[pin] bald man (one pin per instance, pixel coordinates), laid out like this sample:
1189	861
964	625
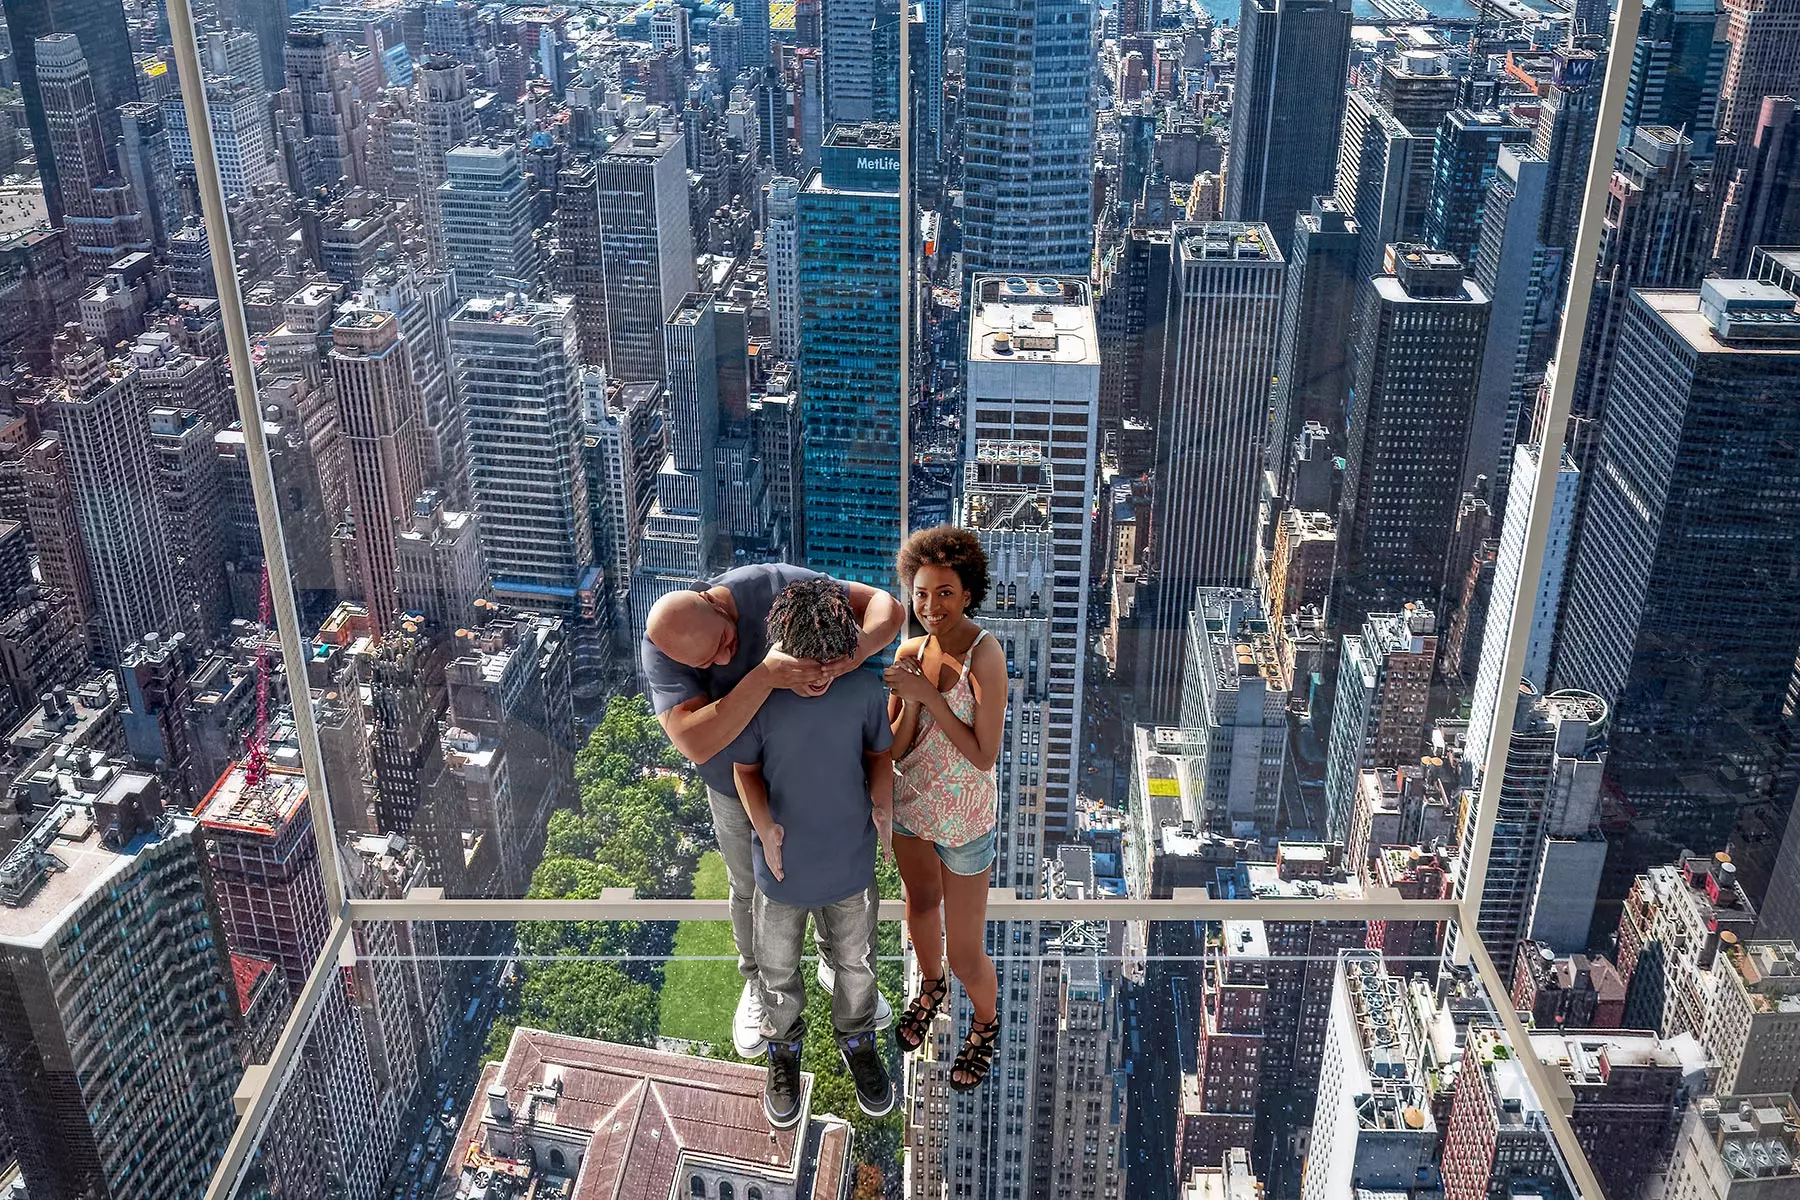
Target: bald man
708	667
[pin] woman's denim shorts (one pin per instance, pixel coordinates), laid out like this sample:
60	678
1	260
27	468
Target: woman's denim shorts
970	858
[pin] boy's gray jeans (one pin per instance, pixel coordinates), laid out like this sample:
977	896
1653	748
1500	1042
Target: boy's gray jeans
731	827
846	935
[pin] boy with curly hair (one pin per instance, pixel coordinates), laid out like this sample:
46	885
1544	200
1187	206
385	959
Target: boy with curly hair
818	786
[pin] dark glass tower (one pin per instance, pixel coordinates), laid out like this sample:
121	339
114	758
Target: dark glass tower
1652	239
1683	607
100	24
1676	66
1418	351
1293	57
1312	364
1462	166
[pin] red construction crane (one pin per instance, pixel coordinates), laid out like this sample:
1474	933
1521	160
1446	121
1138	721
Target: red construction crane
256	763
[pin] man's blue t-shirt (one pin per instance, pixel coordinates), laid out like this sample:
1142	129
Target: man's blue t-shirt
811	752
753	589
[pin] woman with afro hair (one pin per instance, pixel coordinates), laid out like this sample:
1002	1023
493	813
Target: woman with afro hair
948	708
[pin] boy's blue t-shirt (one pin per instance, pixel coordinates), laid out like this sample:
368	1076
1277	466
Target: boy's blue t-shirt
811	751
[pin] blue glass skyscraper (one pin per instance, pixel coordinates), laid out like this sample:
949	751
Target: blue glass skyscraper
1029	137
848	214
1676	68
1463	161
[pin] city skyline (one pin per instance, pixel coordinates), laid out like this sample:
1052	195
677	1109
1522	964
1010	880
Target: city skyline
345	451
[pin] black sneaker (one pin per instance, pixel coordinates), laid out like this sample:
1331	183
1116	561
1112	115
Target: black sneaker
781	1091
862	1057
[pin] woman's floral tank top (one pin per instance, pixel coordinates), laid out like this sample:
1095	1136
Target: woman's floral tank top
942	796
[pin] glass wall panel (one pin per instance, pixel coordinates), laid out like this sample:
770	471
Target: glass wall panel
1133	1058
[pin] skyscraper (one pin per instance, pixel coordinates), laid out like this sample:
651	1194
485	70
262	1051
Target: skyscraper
1384	167
1685	536
848	215
1653	237
1761	62
240	127
781	243
774	121
983	1143
264	862
268	22
1287	108
1034	377
1378	718
321	124
100	28
445	115
1464	160
1568	115
1677	65
421	303
646	246
1518	271
1028	133
439	570
185	465
94	202
678	543
484	210
1234	700
1372	1125
1544	865
851	82
108	446
1509	560
753	39
1219	356
1312	366
516	363
146	160
115	931
1761	202
575	262
381	415
55	525
1418	350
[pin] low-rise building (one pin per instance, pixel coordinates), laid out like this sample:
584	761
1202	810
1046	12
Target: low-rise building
633	1124
1738	1147
1752	1028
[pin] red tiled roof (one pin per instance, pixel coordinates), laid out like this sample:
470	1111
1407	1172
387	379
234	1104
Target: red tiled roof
247	971
647	1109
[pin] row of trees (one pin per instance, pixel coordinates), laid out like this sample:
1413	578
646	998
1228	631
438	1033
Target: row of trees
639	822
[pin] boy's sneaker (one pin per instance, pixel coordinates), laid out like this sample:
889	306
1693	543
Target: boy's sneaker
781	1090
746	1027
884	1012
862	1057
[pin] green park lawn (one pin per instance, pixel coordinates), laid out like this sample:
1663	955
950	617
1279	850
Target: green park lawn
699	998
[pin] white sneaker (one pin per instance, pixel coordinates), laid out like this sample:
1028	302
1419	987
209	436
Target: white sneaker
746	1027
884	1012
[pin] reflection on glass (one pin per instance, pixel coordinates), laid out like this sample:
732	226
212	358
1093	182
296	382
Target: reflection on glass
1278	1050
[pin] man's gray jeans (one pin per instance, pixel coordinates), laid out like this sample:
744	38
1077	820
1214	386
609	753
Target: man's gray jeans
731	826
846	935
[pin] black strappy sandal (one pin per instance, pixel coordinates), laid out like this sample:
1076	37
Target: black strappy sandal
915	1022
977	1055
